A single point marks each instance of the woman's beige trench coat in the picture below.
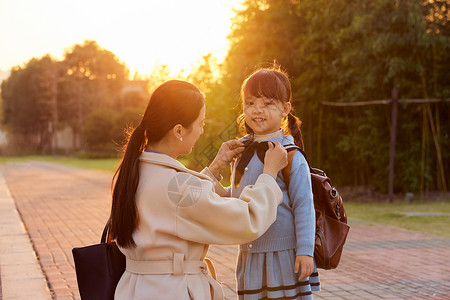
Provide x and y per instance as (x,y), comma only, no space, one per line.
(180,214)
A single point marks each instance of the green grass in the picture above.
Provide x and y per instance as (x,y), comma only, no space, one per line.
(391,214)
(6,159)
(104,164)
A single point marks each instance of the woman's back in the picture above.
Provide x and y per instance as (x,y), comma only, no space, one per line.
(156,235)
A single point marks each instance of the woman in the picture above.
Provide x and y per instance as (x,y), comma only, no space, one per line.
(164,216)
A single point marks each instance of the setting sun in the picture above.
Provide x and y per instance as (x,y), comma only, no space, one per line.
(143,34)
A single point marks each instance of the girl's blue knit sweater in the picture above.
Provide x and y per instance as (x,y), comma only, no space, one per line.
(295,223)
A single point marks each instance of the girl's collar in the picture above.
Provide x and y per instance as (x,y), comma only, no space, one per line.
(263,137)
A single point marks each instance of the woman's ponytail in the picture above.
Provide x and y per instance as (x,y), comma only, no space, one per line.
(125,182)
(173,102)
(293,125)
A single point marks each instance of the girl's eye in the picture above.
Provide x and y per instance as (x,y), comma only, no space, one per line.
(269,103)
(249,103)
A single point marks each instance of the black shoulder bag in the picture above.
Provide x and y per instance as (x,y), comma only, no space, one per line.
(99,268)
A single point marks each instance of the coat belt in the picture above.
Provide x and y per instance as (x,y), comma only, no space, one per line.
(178,266)
(164,267)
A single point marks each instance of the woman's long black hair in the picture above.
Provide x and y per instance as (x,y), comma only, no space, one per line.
(174,102)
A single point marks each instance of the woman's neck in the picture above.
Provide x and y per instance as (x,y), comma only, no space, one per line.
(164,148)
(262,137)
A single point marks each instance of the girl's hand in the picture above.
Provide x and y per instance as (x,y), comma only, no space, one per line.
(306,264)
(228,150)
(275,160)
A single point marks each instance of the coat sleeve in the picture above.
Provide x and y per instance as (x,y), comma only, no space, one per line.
(213,219)
(218,188)
(301,198)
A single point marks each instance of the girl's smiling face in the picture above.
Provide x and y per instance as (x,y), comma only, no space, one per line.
(264,115)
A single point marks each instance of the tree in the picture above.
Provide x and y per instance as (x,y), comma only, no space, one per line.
(263,31)
(44,95)
(159,75)
(368,49)
(220,111)
(349,51)
(93,78)
(27,100)
(125,122)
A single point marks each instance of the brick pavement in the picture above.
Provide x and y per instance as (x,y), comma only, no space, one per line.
(64,207)
(21,274)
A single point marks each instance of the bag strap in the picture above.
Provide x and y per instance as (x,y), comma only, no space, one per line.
(290,148)
(106,235)
(287,170)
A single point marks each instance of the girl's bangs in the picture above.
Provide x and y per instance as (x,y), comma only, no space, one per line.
(265,84)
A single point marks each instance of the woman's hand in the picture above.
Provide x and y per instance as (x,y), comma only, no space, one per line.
(306,264)
(228,150)
(275,160)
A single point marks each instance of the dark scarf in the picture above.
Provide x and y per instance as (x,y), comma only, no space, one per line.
(260,148)
(250,149)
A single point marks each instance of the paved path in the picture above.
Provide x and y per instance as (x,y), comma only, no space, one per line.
(21,275)
(64,207)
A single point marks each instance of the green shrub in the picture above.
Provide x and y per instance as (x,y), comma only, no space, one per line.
(98,129)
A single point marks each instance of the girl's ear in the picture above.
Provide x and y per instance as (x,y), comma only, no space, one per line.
(287,106)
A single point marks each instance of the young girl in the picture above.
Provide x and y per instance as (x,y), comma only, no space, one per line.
(279,264)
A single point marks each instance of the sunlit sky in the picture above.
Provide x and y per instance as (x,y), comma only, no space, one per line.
(142,33)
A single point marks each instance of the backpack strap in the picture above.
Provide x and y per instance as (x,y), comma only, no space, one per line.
(287,170)
(290,148)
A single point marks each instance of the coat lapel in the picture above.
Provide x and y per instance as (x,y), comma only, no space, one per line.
(165,160)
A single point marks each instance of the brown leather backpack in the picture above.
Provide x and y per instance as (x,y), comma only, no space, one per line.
(331,219)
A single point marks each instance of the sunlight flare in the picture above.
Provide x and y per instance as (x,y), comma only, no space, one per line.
(143,34)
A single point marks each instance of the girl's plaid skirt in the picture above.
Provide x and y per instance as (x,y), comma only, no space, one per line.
(270,275)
